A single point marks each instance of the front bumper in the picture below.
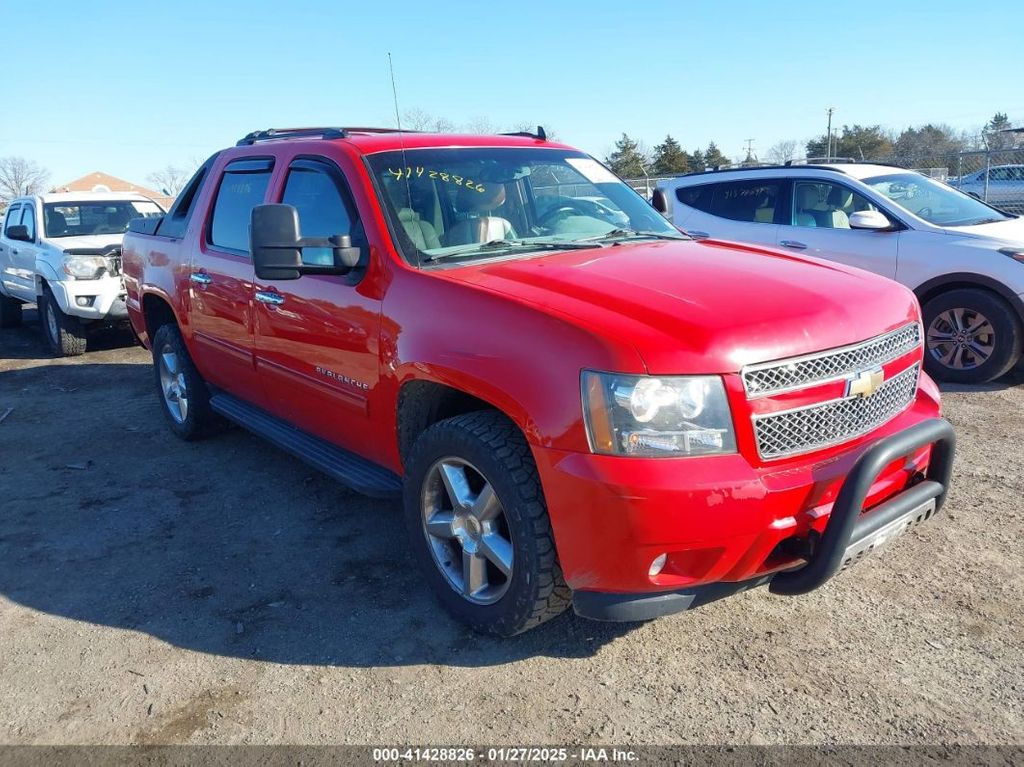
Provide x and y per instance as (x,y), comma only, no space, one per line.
(721,521)
(104,298)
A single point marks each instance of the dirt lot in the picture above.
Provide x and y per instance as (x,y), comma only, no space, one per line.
(153,591)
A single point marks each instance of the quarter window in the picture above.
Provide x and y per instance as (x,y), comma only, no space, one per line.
(324,206)
(242,187)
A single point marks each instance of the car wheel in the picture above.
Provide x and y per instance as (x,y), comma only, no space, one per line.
(10,312)
(64,334)
(972,336)
(479,528)
(184,397)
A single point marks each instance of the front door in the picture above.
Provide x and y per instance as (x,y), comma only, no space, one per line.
(221,282)
(317,336)
(819,226)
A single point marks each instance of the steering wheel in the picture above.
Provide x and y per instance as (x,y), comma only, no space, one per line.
(567,208)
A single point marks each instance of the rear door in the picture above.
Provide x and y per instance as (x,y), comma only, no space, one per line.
(817,224)
(743,210)
(317,337)
(221,280)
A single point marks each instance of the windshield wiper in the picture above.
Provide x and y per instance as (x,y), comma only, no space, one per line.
(625,234)
(495,245)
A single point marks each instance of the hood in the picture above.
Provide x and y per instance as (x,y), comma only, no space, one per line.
(88,241)
(1010,232)
(703,307)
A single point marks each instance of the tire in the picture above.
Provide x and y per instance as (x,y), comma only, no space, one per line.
(972,336)
(184,396)
(486,450)
(10,312)
(65,335)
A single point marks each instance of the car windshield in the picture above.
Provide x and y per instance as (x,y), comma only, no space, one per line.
(467,204)
(934,201)
(73,218)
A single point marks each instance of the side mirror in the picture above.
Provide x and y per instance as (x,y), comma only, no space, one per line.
(870,219)
(276,245)
(660,201)
(18,232)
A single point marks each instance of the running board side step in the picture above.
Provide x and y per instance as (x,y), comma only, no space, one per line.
(348,468)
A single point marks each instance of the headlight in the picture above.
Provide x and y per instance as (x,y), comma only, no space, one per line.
(657,416)
(85,267)
(1017,254)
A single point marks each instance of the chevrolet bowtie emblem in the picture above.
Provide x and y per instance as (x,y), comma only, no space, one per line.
(865,383)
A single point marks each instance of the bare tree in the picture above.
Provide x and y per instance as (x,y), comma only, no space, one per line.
(421,120)
(782,152)
(481,125)
(19,176)
(170,180)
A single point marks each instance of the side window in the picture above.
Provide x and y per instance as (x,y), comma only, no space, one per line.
(320,196)
(175,222)
(748,201)
(698,197)
(243,186)
(999,174)
(28,220)
(13,218)
(825,205)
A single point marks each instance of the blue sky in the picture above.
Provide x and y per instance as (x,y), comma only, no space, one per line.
(129,87)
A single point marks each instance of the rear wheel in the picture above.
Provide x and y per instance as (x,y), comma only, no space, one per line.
(184,396)
(973,336)
(479,527)
(64,333)
(10,312)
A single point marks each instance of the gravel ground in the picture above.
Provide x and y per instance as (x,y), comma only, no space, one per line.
(153,591)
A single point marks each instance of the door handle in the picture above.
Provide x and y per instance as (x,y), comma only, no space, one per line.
(14,251)
(200,278)
(795,245)
(269,297)
(696,234)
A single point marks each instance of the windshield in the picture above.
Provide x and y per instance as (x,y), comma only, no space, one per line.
(934,201)
(467,204)
(73,219)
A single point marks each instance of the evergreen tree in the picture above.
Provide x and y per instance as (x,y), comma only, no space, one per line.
(628,160)
(861,142)
(696,160)
(713,158)
(669,158)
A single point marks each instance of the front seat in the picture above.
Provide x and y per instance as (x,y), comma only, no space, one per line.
(478,225)
(422,233)
(806,202)
(56,224)
(840,201)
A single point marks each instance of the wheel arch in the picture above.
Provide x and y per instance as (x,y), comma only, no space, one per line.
(936,286)
(424,401)
(157,310)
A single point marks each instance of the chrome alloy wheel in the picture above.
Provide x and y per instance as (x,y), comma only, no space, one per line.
(466,530)
(961,339)
(172,383)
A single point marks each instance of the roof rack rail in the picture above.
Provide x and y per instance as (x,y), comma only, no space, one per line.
(272,134)
(540,135)
(818,160)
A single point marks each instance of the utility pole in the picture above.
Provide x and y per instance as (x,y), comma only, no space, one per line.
(750,151)
(828,151)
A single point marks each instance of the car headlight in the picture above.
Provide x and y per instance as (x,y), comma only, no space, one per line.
(85,267)
(657,415)
(1017,254)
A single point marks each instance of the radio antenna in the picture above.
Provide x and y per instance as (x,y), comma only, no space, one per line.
(401,141)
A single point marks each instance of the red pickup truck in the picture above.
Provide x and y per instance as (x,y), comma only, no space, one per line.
(578,403)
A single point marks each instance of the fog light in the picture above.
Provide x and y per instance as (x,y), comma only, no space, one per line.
(657,564)
(84,300)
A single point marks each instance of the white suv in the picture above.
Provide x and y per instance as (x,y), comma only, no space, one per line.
(963,258)
(63,253)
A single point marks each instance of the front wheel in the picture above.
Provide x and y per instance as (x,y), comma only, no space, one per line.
(972,336)
(478,525)
(64,333)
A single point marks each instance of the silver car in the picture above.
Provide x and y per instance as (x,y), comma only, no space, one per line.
(1003,189)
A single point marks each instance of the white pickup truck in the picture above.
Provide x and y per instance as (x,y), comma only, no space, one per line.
(62,252)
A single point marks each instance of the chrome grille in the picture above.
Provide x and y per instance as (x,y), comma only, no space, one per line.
(798,372)
(809,428)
